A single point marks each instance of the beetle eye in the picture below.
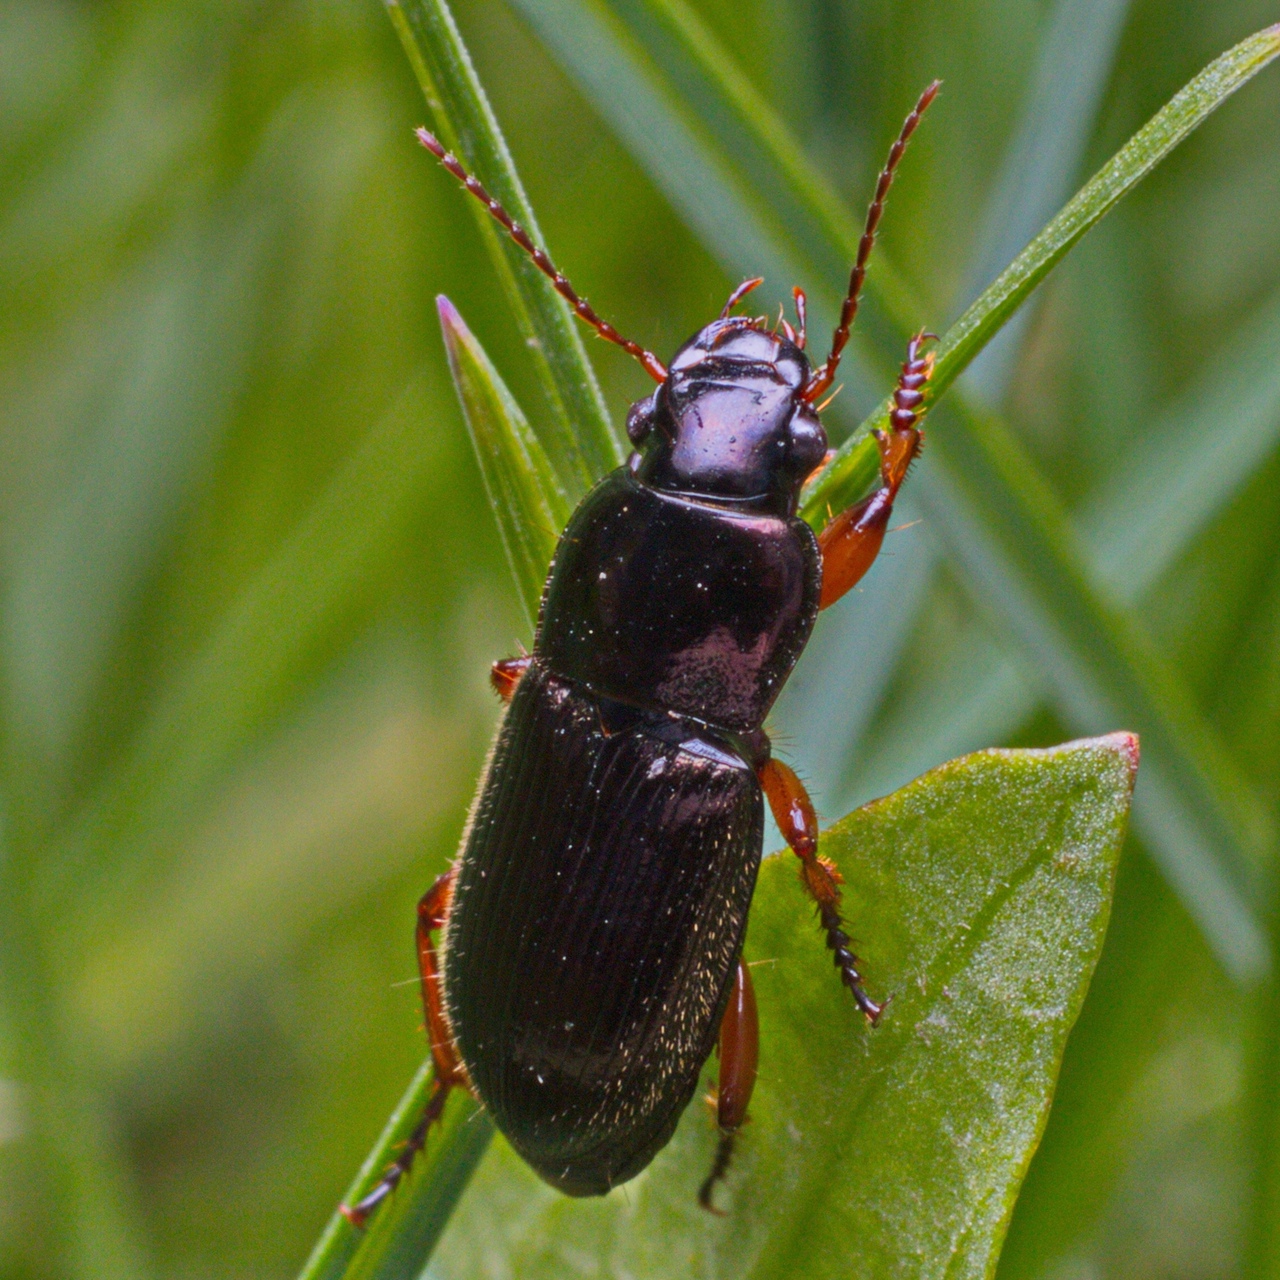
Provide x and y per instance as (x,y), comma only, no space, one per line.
(640,418)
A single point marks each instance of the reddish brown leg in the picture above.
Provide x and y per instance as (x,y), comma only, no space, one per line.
(432,910)
(793,812)
(851,541)
(505,674)
(739,1053)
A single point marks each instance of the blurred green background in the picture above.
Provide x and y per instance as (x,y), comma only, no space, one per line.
(250,586)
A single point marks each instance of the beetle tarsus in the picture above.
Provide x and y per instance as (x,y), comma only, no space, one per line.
(359,1213)
(724,1156)
(794,813)
(847,962)
(432,910)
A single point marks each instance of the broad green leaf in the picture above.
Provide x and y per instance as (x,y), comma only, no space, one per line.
(579,437)
(980,895)
(528,503)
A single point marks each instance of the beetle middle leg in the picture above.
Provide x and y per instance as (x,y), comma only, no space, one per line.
(505,674)
(794,813)
(432,910)
(739,1053)
(851,540)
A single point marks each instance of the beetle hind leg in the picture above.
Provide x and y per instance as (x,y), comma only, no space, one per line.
(739,1054)
(794,813)
(432,910)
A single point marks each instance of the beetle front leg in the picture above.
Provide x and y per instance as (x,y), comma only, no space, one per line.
(432,910)
(739,1054)
(852,540)
(505,674)
(794,813)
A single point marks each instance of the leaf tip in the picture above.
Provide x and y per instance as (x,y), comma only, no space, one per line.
(454,327)
(450,319)
(1126,745)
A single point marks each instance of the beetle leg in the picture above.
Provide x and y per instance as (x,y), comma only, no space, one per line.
(851,541)
(739,1052)
(432,910)
(505,674)
(794,813)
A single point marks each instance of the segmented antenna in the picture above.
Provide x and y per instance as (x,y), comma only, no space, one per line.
(582,308)
(825,374)
(739,293)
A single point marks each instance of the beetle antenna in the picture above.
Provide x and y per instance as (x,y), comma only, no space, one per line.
(581,307)
(739,293)
(825,375)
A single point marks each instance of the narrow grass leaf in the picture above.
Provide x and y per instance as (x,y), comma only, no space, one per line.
(578,435)
(1040,165)
(528,503)
(847,477)
(1178,476)
(239,677)
(1102,669)
(399,1239)
(1190,464)
(980,894)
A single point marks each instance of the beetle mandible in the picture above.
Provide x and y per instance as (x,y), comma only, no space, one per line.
(593,921)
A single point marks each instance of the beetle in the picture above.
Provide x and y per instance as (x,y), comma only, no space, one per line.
(593,922)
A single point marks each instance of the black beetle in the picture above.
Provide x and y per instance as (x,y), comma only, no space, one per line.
(594,919)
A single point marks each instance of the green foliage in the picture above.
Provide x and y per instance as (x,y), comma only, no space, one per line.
(250,583)
(527,501)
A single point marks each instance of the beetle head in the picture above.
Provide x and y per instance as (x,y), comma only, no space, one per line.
(730,422)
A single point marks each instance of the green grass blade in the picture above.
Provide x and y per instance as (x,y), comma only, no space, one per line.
(578,436)
(1178,476)
(1099,664)
(238,679)
(1007,528)
(1040,166)
(400,1238)
(982,891)
(847,477)
(1185,112)
(1190,463)
(528,503)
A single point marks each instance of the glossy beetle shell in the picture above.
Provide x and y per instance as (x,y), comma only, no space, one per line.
(601,895)
(598,914)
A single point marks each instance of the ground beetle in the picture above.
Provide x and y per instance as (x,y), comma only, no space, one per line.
(594,919)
